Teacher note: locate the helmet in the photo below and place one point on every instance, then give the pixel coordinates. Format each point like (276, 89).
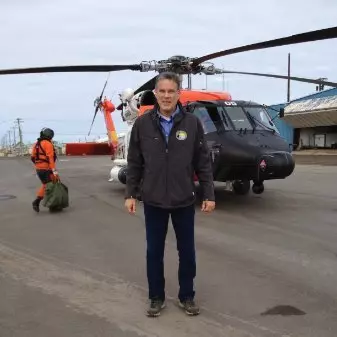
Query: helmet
(47, 133)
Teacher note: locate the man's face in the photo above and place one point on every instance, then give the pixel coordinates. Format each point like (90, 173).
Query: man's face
(167, 94)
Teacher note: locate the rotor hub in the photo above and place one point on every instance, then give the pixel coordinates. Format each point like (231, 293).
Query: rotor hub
(178, 64)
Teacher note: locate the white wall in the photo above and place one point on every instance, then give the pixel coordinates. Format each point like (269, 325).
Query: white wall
(331, 138)
(307, 136)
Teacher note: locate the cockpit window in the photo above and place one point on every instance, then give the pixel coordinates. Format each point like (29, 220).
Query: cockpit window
(238, 117)
(219, 117)
(212, 118)
(261, 118)
(205, 115)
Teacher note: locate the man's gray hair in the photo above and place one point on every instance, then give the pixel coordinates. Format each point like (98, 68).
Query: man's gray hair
(167, 75)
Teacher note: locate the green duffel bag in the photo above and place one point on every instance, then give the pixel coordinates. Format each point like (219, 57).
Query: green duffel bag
(56, 196)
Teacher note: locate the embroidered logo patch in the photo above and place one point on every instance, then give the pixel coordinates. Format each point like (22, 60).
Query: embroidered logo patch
(181, 135)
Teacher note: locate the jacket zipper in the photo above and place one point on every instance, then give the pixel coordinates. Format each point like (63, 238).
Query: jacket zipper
(166, 151)
(166, 148)
(174, 125)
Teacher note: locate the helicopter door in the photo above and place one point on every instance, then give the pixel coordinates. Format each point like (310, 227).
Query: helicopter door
(209, 117)
(212, 123)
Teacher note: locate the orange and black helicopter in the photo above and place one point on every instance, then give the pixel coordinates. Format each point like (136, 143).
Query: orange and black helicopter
(244, 143)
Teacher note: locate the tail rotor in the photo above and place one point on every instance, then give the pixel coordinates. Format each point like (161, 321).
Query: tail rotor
(98, 104)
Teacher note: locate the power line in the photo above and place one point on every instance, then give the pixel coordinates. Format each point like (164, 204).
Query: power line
(6, 140)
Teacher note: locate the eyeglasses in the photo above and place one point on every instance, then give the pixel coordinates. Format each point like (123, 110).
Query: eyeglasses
(168, 92)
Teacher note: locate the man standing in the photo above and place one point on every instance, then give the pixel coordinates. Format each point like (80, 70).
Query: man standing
(166, 148)
(44, 157)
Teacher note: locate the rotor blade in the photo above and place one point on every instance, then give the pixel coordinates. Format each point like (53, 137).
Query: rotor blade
(299, 79)
(70, 69)
(92, 123)
(106, 82)
(97, 107)
(149, 85)
(321, 34)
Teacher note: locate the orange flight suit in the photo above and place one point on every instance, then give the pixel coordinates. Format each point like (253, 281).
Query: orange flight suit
(44, 156)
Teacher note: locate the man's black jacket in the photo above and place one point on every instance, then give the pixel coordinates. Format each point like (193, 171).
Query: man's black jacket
(165, 172)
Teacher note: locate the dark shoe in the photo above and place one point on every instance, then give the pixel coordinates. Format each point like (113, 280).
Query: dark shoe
(190, 307)
(155, 308)
(36, 205)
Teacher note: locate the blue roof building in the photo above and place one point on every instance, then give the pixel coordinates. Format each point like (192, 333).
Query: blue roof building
(309, 121)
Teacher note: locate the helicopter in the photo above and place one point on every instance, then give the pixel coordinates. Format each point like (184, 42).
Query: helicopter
(244, 143)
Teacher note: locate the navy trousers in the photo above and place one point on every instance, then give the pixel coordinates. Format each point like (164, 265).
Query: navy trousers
(156, 221)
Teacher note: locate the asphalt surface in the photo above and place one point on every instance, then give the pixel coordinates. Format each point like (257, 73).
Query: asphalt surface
(266, 264)
(316, 159)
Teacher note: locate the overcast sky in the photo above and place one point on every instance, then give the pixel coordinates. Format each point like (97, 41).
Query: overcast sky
(63, 32)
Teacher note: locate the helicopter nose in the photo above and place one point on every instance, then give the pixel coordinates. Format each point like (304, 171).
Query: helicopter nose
(274, 165)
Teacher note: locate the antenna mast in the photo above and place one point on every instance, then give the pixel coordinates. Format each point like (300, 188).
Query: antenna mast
(288, 88)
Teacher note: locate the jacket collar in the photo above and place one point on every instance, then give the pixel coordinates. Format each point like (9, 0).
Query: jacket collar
(177, 116)
(177, 110)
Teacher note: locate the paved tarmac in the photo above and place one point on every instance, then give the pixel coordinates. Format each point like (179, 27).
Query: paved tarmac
(266, 264)
(326, 159)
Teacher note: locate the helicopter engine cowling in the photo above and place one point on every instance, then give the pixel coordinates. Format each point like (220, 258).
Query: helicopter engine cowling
(126, 95)
(118, 173)
(130, 113)
(131, 106)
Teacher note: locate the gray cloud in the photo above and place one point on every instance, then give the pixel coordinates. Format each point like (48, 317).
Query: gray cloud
(41, 33)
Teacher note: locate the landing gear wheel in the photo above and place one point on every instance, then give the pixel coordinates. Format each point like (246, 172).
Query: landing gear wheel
(241, 187)
(258, 188)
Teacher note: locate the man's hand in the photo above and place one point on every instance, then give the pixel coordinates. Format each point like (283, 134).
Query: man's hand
(130, 205)
(207, 206)
(55, 176)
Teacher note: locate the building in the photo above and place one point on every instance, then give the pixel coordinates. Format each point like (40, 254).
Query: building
(286, 130)
(310, 121)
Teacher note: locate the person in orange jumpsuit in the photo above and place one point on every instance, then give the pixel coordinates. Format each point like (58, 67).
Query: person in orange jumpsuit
(44, 157)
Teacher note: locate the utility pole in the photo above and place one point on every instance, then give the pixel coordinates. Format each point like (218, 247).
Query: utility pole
(288, 89)
(19, 121)
(14, 135)
(6, 143)
(3, 142)
(10, 140)
(320, 87)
